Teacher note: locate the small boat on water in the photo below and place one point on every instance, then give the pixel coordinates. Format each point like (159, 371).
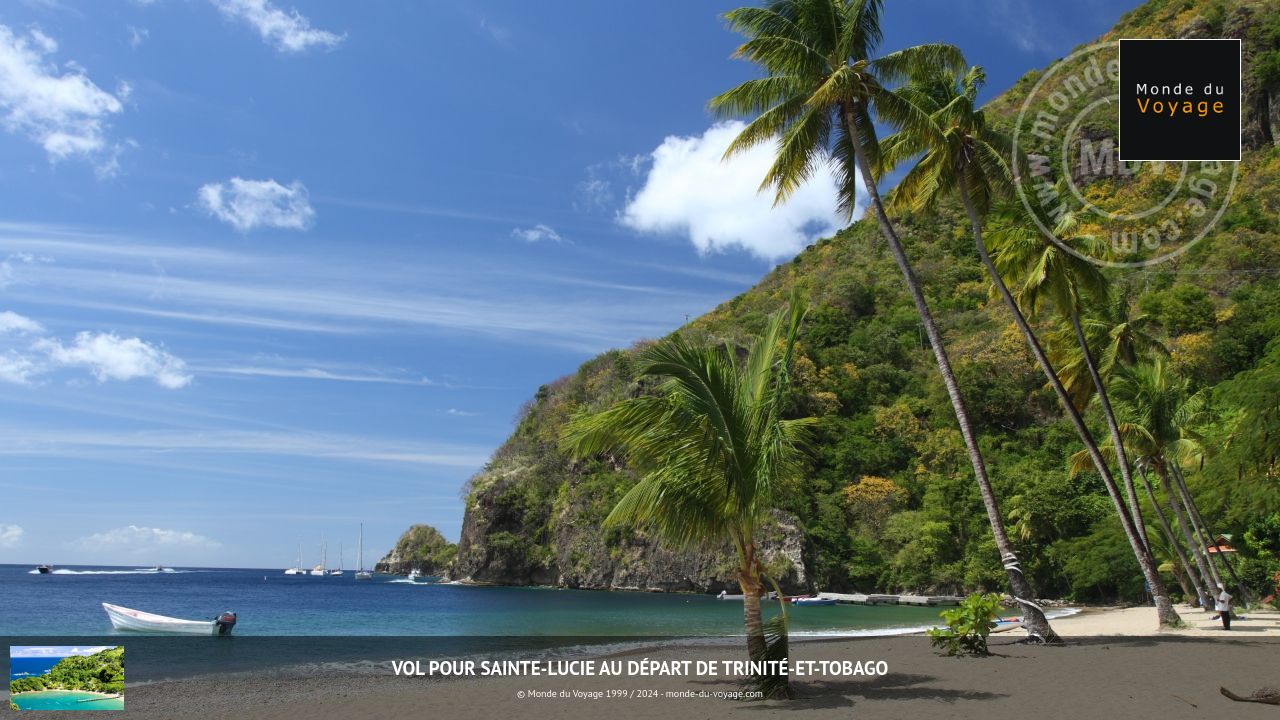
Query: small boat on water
(44, 569)
(813, 601)
(123, 618)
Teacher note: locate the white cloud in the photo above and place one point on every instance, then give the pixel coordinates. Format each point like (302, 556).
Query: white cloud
(12, 322)
(10, 536)
(537, 233)
(691, 190)
(17, 369)
(287, 31)
(111, 357)
(142, 540)
(59, 108)
(248, 204)
(460, 413)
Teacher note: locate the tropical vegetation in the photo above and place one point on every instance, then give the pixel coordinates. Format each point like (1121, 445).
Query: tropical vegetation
(712, 451)
(101, 672)
(978, 395)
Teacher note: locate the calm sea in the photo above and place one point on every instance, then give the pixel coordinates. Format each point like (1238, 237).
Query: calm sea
(69, 602)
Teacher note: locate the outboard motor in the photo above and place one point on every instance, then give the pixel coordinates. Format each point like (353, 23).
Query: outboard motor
(225, 622)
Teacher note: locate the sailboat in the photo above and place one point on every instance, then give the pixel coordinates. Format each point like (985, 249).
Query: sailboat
(361, 573)
(297, 569)
(339, 570)
(319, 569)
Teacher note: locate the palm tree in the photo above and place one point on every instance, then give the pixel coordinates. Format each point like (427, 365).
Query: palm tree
(1156, 406)
(821, 85)
(1202, 596)
(1167, 416)
(960, 154)
(1046, 273)
(710, 448)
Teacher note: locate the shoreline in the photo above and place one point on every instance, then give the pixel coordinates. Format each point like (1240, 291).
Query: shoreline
(1165, 675)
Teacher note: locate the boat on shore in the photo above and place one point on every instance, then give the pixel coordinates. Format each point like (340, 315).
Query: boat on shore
(123, 618)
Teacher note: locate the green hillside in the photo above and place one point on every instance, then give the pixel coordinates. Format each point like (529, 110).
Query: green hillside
(888, 502)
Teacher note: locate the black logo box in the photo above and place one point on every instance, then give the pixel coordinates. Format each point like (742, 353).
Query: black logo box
(1180, 63)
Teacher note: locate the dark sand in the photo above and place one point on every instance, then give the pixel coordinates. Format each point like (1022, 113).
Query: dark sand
(1098, 677)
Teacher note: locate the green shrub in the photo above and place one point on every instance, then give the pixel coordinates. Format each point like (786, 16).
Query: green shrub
(967, 625)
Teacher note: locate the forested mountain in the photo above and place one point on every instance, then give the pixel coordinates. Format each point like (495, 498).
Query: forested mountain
(888, 501)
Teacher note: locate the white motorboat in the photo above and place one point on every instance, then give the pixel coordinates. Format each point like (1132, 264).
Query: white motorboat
(361, 573)
(123, 618)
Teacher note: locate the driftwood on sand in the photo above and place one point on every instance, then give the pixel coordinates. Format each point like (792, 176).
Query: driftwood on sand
(1268, 696)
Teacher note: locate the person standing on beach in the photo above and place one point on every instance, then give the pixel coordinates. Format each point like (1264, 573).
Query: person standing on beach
(1223, 606)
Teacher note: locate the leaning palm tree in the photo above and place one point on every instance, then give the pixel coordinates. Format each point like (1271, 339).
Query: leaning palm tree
(960, 154)
(1162, 415)
(821, 87)
(711, 450)
(1044, 273)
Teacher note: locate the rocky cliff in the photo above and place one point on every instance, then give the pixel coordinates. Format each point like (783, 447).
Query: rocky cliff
(420, 548)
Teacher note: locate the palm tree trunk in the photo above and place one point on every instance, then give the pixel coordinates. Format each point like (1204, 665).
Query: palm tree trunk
(1033, 619)
(1168, 617)
(749, 579)
(1201, 597)
(1207, 534)
(1135, 507)
(1162, 470)
(1188, 506)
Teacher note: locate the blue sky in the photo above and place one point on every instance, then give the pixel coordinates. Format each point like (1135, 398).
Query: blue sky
(269, 268)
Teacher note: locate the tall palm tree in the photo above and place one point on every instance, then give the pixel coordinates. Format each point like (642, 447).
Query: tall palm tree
(959, 153)
(1165, 415)
(1045, 273)
(821, 86)
(1156, 409)
(1175, 546)
(710, 448)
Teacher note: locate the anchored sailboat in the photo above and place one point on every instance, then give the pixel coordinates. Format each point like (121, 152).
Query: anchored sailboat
(339, 570)
(324, 551)
(297, 569)
(361, 573)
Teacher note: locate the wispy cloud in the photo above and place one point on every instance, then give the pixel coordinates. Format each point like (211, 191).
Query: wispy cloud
(348, 294)
(287, 31)
(144, 541)
(10, 536)
(29, 651)
(537, 233)
(29, 441)
(249, 204)
(137, 35)
(61, 109)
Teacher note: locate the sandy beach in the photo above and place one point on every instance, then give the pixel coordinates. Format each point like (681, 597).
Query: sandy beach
(1112, 665)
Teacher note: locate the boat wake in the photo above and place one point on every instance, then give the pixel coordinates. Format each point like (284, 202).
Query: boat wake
(138, 571)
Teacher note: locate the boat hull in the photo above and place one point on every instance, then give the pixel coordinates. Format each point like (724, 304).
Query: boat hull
(123, 618)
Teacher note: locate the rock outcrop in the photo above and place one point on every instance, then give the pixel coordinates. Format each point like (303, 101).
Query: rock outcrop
(421, 548)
